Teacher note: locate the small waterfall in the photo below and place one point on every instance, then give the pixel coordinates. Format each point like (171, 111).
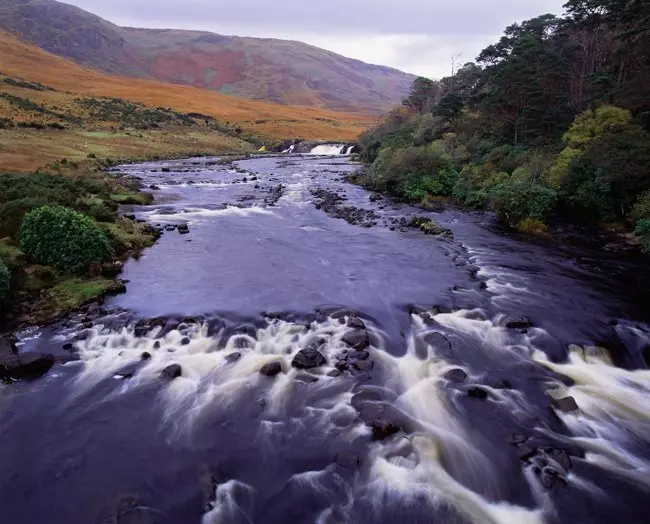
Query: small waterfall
(290, 150)
(349, 151)
(328, 149)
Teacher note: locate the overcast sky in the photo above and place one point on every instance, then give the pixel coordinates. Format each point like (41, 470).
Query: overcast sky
(417, 36)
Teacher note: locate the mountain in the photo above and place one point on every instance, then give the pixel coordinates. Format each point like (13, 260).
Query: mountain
(280, 71)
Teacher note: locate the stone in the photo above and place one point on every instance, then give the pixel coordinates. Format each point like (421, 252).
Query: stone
(356, 323)
(517, 438)
(146, 356)
(183, 229)
(360, 355)
(307, 378)
(334, 373)
(309, 358)
(26, 366)
(502, 384)
(357, 339)
(566, 405)
(233, 357)
(185, 341)
(456, 375)
(156, 344)
(477, 393)
(363, 365)
(383, 429)
(68, 346)
(271, 369)
(342, 365)
(517, 322)
(171, 372)
(348, 460)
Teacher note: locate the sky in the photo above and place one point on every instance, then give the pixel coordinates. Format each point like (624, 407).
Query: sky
(417, 36)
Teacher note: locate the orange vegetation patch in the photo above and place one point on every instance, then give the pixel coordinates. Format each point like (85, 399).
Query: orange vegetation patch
(21, 60)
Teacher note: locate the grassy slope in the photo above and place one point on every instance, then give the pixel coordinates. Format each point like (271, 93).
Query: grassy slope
(25, 61)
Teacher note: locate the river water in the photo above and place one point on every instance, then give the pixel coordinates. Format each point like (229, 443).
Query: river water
(447, 416)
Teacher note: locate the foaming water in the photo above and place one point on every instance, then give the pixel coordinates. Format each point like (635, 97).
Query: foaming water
(470, 380)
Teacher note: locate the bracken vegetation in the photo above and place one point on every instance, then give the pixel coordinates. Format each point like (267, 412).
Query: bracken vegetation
(551, 121)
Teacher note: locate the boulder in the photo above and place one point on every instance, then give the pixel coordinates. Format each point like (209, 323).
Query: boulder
(357, 339)
(271, 369)
(517, 322)
(334, 373)
(171, 372)
(183, 229)
(28, 366)
(356, 323)
(566, 405)
(309, 358)
(233, 357)
(456, 375)
(348, 460)
(477, 393)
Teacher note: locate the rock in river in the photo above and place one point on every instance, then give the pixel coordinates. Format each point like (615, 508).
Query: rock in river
(271, 369)
(22, 366)
(357, 339)
(308, 358)
(171, 372)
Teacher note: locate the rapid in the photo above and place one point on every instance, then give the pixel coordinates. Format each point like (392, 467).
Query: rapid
(303, 355)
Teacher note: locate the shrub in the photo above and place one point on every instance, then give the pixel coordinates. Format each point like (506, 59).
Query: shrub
(514, 201)
(641, 209)
(587, 193)
(413, 172)
(63, 238)
(12, 213)
(643, 230)
(591, 125)
(5, 283)
(532, 226)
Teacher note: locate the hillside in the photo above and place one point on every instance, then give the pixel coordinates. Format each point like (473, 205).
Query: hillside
(280, 71)
(52, 108)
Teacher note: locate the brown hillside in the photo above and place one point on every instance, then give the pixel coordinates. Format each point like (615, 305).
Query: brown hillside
(21, 60)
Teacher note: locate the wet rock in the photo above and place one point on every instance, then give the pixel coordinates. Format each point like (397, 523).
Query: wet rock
(185, 341)
(358, 339)
(376, 197)
(146, 356)
(68, 346)
(517, 322)
(306, 378)
(26, 366)
(477, 393)
(156, 344)
(334, 373)
(171, 372)
(566, 405)
(502, 384)
(560, 456)
(271, 369)
(348, 460)
(456, 375)
(360, 355)
(363, 365)
(233, 357)
(517, 438)
(309, 358)
(439, 343)
(342, 365)
(183, 229)
(356, 323)
(383, 429)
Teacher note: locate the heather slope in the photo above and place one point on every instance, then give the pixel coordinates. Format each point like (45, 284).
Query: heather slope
(280, 71)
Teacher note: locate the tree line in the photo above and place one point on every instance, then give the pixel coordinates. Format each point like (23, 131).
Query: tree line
(551, 120)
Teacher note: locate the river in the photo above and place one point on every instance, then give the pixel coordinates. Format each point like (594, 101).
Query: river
(438, 376)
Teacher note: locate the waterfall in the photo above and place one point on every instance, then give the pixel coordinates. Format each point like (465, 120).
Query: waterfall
(290, 150)
(349, 151)
(328, 149)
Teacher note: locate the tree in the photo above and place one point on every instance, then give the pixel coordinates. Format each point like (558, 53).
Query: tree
(423, 94)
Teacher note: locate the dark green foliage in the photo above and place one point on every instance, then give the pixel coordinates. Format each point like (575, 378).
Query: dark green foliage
(17, 82)
(643, 230)
(19, 194)
(513, 201)
(422, 95)
(5, 284)
(450, 108)
(33, 107)
(63, 238)
(586, 192)
(413, 172)
(132, 114)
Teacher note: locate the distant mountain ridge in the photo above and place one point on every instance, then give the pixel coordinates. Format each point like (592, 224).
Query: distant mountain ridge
(281, 71)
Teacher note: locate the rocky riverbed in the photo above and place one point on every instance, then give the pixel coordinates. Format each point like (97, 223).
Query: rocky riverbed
(296, 349)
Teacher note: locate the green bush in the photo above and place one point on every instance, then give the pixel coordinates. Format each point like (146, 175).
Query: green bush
(586, 192)
(514, 201)
(643, 230)
(413, 172)
(12, 213)
(5, 283)
(63, 238)
(641, 209)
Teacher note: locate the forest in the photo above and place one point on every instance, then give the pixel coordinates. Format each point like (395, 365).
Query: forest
(552, 122)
